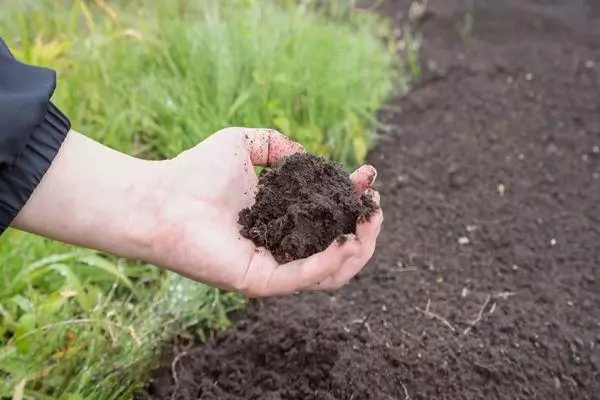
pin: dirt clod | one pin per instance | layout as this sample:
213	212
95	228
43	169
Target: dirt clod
303	204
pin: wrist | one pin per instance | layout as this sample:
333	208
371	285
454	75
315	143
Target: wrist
133	232
95	197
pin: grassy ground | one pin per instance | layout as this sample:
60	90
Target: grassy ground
150	79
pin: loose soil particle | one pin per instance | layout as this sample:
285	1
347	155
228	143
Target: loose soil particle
486	280
303	204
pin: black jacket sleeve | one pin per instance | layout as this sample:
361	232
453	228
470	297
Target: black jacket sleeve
32	129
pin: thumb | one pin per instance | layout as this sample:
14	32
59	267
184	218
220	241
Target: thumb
363	178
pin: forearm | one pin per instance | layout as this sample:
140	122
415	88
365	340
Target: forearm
94	197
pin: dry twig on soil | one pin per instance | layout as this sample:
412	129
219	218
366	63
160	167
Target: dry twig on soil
174	372
430	314
410	335
363	323
406	396
479	315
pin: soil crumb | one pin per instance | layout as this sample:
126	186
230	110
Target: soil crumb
303	204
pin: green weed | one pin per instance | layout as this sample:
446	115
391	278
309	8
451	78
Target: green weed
78	322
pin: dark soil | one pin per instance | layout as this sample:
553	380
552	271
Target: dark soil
303	204
486	280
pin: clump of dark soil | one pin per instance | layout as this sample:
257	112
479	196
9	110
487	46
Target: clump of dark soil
303	204
485	283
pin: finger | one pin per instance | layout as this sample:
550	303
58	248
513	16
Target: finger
354	265
298	275
374	195
367	230
367	234
267	146
363	178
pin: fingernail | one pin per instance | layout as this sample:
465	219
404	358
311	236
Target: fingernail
374	176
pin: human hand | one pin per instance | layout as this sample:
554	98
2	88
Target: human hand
182	214
200	194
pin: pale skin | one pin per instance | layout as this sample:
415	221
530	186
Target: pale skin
181	214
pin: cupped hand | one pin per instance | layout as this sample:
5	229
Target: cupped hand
199	196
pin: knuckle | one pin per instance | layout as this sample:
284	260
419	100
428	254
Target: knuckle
273	132
254	293
338	284
241	286
230	136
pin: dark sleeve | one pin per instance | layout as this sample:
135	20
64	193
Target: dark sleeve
32	129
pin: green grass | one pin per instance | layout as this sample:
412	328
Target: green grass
79	323
151	79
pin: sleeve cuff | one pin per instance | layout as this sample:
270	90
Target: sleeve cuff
19	180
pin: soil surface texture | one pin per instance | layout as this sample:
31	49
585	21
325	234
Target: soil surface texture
486	280
303	204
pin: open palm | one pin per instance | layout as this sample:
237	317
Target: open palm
201	194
